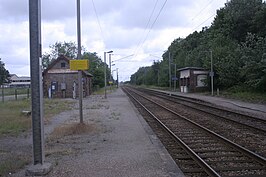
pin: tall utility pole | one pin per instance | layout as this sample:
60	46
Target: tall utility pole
170	84
175	79
105	72
117	77
105	75
36	86
38	167
211	74
110	64
79	57
3	97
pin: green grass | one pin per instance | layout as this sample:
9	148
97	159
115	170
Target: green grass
13	122
246	96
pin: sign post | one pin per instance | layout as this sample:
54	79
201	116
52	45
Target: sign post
79	65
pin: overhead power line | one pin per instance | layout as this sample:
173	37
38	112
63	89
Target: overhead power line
203	22
95	11
146	27
140	46
199	14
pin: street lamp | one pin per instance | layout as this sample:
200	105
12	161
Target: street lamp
105	72
110	79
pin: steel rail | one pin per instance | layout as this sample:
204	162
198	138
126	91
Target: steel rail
258	158
211	106
209	170
163	95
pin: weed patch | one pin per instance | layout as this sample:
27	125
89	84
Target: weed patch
11	120
72	129
9	165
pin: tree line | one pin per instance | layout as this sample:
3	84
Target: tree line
237	40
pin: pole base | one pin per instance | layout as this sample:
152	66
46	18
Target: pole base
39	169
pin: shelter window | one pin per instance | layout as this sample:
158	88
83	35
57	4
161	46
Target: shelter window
201	80
63	65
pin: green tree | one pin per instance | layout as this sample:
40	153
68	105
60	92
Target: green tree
4	74
68	49
253	52
96	67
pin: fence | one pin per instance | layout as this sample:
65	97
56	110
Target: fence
14	93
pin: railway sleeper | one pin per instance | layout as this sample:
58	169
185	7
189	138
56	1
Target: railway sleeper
243	172
193	170
209	149
212	155
242	166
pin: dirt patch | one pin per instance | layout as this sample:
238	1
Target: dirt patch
72	129
65	137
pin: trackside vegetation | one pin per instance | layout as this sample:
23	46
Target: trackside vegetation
237	39
13	121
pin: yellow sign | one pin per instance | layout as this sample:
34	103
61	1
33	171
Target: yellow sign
79	64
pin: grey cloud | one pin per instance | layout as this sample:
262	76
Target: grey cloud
15	10
137	14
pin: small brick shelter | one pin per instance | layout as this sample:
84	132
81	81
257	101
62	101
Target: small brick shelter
193	79
61	82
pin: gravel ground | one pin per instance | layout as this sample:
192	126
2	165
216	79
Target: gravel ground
115	141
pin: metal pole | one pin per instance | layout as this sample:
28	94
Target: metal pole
78	30
110	78
80	95
79	57
110	67
170	84
36	82
28	93
3	96
211	73
158	77
16	94
117	76
105	75
175	79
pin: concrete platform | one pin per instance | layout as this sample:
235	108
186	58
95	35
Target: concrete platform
256	109
122	145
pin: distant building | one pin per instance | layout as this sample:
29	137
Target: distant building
193	79
19	82
61	82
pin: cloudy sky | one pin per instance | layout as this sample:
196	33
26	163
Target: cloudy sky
141	29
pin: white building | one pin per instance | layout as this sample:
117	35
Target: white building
16	81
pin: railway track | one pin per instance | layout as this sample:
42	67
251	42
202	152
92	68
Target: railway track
226	124
230	115
197	150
